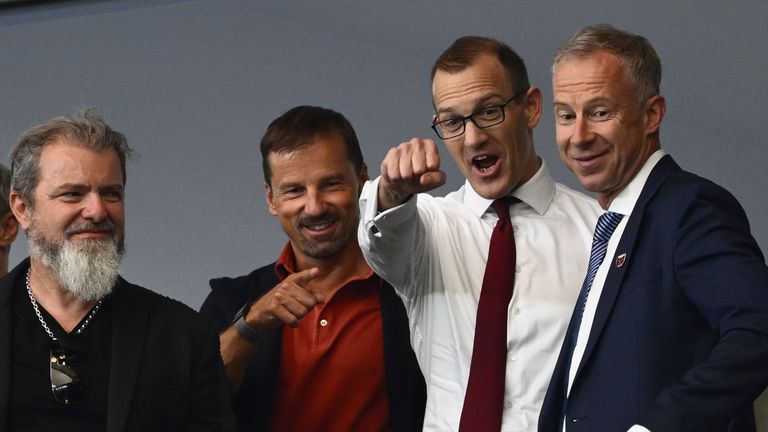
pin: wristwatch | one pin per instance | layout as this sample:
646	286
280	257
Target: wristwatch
243	329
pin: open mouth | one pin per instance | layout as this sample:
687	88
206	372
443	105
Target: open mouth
484	163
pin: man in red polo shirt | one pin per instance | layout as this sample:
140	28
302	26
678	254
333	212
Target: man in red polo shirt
316	340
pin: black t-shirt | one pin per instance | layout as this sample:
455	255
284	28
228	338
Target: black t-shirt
33	407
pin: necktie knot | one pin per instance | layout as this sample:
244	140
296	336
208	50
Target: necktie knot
606	225
501	206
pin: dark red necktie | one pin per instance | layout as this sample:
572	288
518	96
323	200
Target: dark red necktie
484	401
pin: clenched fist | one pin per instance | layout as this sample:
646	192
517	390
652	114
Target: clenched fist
410	168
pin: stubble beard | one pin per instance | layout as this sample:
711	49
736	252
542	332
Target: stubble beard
322	250
328	248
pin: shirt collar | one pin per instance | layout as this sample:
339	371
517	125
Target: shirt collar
286	264
538	193
626	199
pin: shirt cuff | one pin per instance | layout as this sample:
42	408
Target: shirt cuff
372	219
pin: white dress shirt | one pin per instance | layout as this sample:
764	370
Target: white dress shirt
622	204
434	251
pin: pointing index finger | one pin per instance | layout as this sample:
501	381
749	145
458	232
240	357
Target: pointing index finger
302	278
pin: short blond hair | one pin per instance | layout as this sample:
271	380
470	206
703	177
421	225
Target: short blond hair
635	53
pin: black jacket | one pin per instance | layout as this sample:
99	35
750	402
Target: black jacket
165	372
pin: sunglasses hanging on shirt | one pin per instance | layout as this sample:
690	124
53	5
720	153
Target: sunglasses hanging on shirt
66	385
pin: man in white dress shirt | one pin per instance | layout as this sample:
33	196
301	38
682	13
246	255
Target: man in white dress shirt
434	250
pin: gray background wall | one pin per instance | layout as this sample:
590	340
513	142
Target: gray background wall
193	84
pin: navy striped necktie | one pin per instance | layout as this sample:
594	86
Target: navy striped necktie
606	225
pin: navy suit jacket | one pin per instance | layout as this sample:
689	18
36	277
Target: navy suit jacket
254	400
165	372
680	336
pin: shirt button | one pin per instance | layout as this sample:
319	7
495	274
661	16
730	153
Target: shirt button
323	322
508	404
517	269
515	311
513	357
514	228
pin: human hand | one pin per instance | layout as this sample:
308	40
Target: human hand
286	303
411	167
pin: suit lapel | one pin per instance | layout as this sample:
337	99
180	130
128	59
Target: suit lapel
613	281
129	325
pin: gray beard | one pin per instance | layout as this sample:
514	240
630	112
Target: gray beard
88	269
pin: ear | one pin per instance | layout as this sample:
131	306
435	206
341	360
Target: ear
533	107
20	209
655	107
9	227
270	200
363	178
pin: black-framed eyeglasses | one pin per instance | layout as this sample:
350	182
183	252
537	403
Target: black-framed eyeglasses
65	383
482	118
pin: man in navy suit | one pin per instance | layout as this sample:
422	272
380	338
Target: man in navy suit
671	329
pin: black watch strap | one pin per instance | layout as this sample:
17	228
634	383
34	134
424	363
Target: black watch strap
243	329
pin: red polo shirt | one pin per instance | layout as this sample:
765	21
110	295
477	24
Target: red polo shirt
332	365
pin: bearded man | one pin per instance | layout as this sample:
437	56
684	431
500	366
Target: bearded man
81	348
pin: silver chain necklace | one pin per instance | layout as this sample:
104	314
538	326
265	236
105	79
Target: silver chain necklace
40	316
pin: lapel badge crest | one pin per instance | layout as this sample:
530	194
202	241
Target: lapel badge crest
621	260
